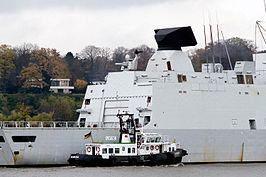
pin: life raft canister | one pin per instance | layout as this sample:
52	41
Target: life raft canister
89	149
98	149
152	147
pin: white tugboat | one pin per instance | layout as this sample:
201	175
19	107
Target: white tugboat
134	148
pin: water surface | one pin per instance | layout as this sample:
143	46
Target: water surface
188	170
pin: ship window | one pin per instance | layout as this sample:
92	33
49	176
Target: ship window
104	150
179	78
147	148
240	79
111	150
173	149
129	150
148	99
169	67
123	148
153	139
82	122
133	150
169	149
2	140
117	150
184	78
23	139
249	79
147	119
252	124
87	101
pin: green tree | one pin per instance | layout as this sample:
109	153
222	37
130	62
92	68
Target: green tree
62	107
6	65
42	117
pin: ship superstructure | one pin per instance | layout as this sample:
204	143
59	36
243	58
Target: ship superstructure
217	115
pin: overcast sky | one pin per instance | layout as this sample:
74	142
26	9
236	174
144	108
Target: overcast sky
70	25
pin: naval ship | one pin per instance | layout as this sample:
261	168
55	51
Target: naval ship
216	115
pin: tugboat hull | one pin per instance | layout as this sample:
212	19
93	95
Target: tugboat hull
166	158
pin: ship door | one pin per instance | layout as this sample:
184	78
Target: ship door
93	150
161	148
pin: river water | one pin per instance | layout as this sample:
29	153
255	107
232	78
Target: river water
188	170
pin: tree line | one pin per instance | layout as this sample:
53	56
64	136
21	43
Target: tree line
29	68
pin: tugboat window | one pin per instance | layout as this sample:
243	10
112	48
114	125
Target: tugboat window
123	148
129	150
104	150
111	150
133	150
158	139
2	140
23	139
117	150
147	148
147	119
179	78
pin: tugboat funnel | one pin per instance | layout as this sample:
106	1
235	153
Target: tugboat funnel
174	38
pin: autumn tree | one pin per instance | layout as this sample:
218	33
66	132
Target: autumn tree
80	85
31	76
6	65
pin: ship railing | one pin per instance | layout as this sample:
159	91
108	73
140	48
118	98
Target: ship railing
55	124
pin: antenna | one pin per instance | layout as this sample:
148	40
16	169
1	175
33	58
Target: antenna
218	36
227	53
212	47
205	42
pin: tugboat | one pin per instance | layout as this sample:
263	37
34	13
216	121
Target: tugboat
134	148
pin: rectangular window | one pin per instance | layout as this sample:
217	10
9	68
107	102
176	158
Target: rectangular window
133	150
249	79
129	150
111	150
123	148
179	78
82	122
240	79
117	150
252	124
169	67
184	78
104	151
147	148
2	140
23	139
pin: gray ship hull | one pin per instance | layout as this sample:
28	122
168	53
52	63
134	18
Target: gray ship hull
51	147
54	146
